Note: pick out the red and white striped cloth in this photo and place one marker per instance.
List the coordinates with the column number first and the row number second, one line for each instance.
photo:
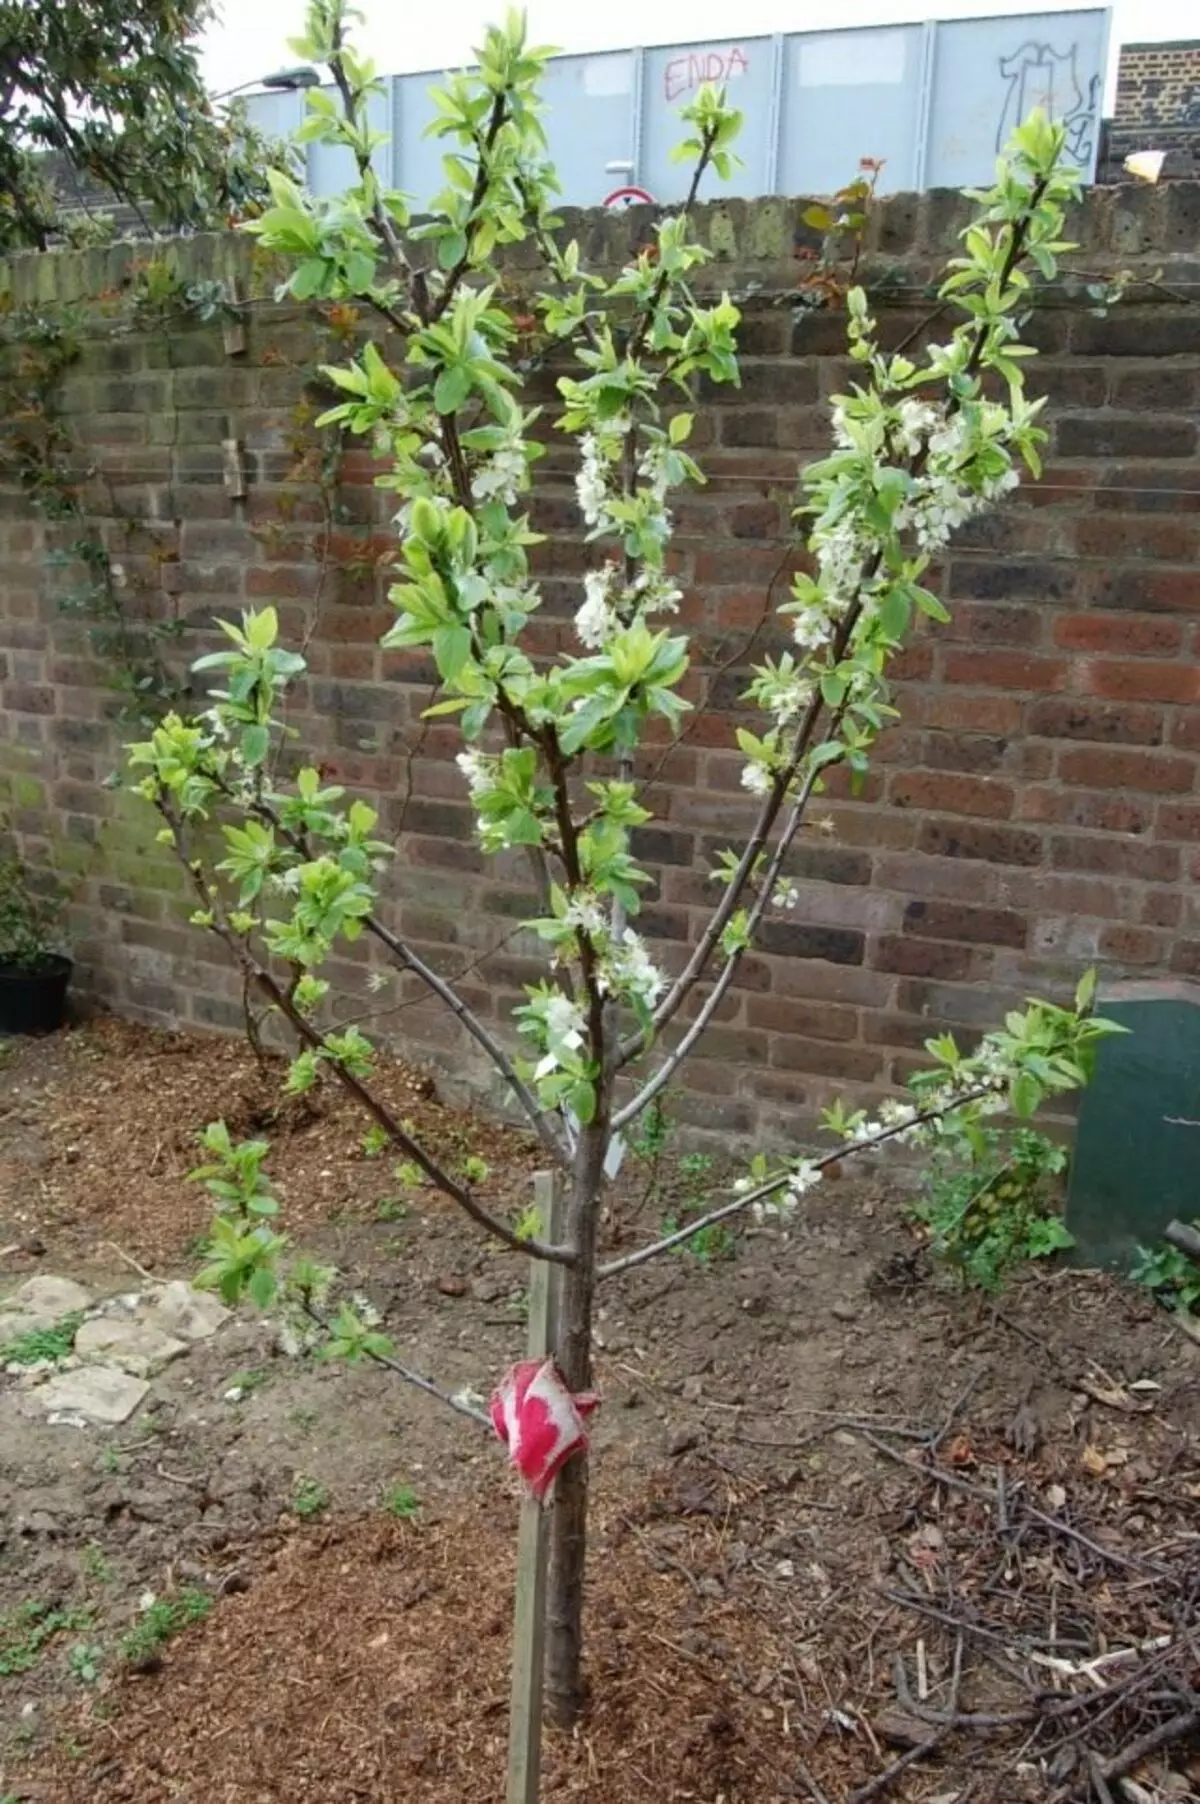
column 539, row 1420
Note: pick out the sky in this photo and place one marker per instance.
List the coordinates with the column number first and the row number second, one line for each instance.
column 251, row 41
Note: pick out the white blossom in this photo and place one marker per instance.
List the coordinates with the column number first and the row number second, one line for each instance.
column 786, row 894
column 652, row 593
column 630, row 970
column 564, row 1022
column 584, row 910
column 804, row 1176
column 757, row 779
column 597, row 620
column 841, row 429
column 478, row 769
column 502, row 477
column 591, row 484
column 915, row 422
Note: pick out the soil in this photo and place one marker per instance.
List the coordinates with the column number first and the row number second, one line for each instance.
column 793, row 1438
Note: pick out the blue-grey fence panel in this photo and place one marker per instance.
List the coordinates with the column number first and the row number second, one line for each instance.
column 933, row 101
column 590, row 123
column 989, row 74
column 848, row 95
column 416, row 158
column 331, row 167
column 276, row 115
column 674, row 73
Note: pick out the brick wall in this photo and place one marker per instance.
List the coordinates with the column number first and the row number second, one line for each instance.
column 1157, row 108
column 1158, row 84
column 1035, row 811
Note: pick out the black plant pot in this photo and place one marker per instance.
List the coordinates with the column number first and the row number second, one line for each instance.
column 33, row 999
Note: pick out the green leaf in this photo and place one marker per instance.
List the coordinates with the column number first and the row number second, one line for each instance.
column 1085, row 993
column 451, row 650
column 256, row 743
column 895, row 613
column 262, row 1287
column 452, row 388
column 1025, row 1094
column 452, row 248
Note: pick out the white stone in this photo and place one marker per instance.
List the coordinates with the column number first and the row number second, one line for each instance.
column 134, row 1346
column 94, row 1395
column 185, row 1313
column 47, row 1298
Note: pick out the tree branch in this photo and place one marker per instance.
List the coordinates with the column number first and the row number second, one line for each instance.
column 713, row 1000
column 484, row 147
column 410, row 1377
column 773, row 802
column 384, row 229
column 774, row 1185
column 314, row 1039
column 539, row 1117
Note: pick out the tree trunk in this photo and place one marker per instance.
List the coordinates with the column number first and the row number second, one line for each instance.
column 568, row 1525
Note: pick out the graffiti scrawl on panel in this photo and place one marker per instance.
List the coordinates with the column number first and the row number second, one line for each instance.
column 1038, row 75
column 690, row 70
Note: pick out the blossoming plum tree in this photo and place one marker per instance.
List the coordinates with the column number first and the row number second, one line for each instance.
column 921, row 444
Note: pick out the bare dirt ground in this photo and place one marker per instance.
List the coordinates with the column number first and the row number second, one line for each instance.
column 856, row 1534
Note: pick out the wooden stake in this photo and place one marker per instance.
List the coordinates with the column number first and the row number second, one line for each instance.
column 533, row 1541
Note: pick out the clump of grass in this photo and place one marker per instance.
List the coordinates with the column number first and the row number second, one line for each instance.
column 402, row 1502
column 309, row 1498
column 25, row 1631
column 41, row 1343
column 162, row 1620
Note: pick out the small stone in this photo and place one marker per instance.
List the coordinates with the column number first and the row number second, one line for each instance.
column 843, row 1312
column 185, row 1313
column 39, row 1522
column 452, row 1287
column 682, row 1441
column 92, row 1395
column 48, row 1297
column 133, row 1346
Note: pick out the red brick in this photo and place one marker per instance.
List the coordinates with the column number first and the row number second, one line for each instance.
column 1131, row 945
column 1179, row 820
column 945, row 708
column 1106, row 723
column 1081, row 808
column 953, row 794
column 914, row 874
column 1142, row 682
column 1134, row 635
column 1161, row 908
column 1122, row 536
column 930, row 958
column 1080, row 896
column 1123, row 857
column 1152, row 772
column 970, row 839
column 1004, row 670
column 28, row 698
column 1151, row 591
column 958, row 921
column 821, row 1056
column 815, row 1021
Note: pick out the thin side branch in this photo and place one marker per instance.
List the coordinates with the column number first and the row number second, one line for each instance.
column 539, row 1118
column 314, row 1040
column 774, row 1185
column 457, row 1404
